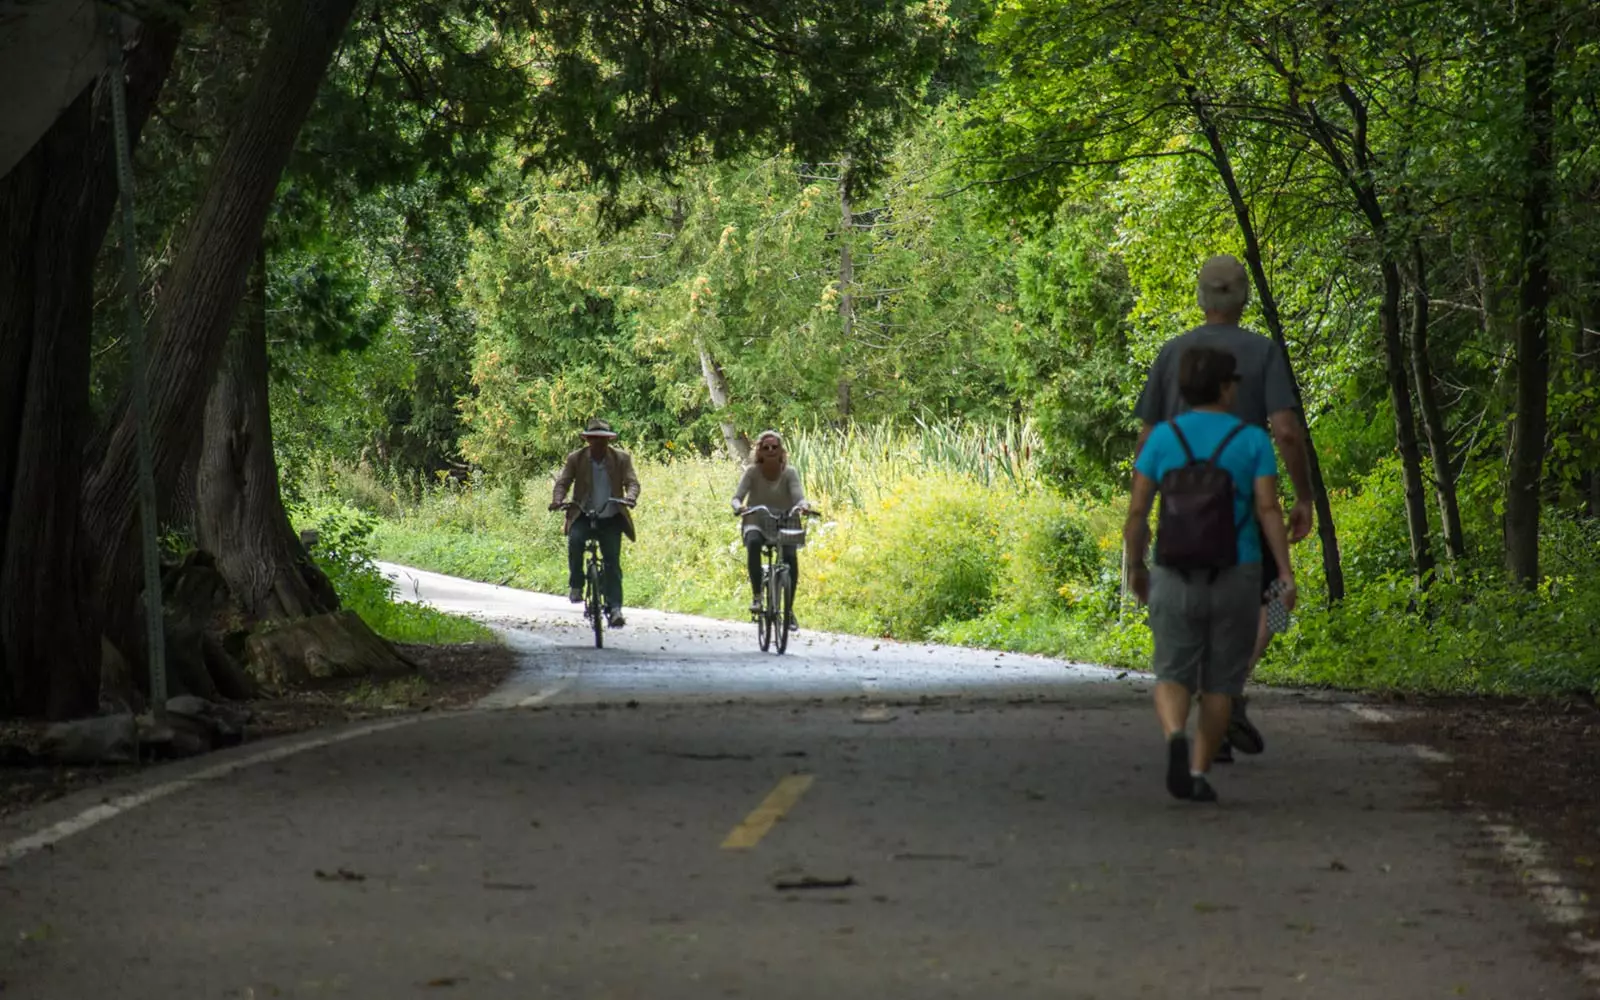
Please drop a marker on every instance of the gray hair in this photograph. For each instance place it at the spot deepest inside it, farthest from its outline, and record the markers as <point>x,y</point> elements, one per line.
<point>1223,285</point>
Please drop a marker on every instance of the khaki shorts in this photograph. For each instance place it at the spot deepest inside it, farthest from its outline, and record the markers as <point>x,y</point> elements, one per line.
<point>1204,629</point>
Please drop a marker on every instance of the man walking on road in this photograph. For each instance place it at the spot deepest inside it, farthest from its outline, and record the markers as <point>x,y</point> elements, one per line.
<point>1265,398</point>
<point>593,473</point>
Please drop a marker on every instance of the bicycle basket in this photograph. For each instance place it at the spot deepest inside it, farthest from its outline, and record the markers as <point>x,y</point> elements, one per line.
<point>775,530</point>
<point>791,531</point>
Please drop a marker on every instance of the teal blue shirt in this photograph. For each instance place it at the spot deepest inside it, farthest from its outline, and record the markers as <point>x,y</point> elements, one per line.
<point>1248,456</point>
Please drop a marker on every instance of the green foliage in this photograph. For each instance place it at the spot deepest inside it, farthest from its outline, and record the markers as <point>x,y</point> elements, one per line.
<point>344,551</point>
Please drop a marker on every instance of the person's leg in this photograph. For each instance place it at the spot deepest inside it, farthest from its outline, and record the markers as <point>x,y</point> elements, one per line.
<point>576,537</point>
<point>1233,599</point>
<point>752,547</point>
<point>610,535</point>
<point>1242,734</point>
<point>1179,649</point>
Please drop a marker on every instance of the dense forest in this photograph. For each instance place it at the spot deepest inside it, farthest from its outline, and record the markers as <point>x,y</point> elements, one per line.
<point>391,257</point>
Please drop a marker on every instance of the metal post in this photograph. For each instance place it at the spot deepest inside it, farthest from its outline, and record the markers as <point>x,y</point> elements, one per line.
<point>141,372</point>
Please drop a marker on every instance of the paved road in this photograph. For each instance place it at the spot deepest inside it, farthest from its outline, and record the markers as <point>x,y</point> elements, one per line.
<point>980,826</point>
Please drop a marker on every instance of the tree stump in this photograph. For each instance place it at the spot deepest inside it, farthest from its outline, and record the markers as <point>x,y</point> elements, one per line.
<point>323,647</point>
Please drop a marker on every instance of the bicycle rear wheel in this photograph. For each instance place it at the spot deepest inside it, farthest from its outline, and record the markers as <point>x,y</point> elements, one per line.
<point>780,607</point>
<point>764,620</point>
<point>596,612</point>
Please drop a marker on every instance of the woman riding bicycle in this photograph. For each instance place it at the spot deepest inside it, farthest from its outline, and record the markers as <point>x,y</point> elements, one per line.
<point>769,482</point>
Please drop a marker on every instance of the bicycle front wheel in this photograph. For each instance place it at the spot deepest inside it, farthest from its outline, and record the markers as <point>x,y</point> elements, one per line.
<point>763,619</point>
<point>596,611</point>
<point>780,607</point>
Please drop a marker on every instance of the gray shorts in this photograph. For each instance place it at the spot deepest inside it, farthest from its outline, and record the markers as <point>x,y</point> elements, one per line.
<point>1205,630</point>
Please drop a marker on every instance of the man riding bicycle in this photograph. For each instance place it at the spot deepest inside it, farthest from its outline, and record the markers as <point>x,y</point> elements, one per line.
<point>592,473</point>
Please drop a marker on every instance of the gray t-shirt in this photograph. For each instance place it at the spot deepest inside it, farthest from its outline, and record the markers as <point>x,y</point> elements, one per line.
<point>600,491</point>
<point>1264,385</point>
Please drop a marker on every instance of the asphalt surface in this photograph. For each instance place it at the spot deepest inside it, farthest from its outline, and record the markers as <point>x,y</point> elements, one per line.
<point>681,816</point>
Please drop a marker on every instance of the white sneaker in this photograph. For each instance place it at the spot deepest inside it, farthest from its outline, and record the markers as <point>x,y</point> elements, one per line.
<point>575,595</point>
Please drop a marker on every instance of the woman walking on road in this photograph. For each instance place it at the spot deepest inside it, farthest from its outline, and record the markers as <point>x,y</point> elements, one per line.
<point>1218,479</point>
<point>769,482</point>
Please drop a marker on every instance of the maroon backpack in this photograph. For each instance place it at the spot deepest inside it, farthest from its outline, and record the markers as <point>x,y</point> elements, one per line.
<point>1196,529</point>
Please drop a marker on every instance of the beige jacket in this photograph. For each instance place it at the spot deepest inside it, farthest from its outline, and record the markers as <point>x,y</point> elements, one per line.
<point>577,475</point>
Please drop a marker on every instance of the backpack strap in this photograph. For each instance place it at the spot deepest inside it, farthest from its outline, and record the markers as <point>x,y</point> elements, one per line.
<point>1183,442</point>
<point>1227,439</point>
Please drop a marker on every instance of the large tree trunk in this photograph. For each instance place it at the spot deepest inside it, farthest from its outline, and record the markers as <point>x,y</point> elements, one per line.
<point>239,515</point>
<point>1532,336</point>
<point>55,207</point>
<point>1433,424</point>
<point>1327,534</point>
<point>202,292</point>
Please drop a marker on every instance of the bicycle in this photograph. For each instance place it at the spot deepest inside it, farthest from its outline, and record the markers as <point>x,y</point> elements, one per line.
<point>777,532</point>
<point>594,564</point>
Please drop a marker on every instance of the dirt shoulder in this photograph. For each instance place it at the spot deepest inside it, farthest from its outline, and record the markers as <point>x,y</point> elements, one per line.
<point>1530,763</point>
<point>448,677</point>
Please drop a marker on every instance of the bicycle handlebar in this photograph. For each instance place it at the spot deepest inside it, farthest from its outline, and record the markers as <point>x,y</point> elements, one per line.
<point>799,509</point>
<point>570,505</point>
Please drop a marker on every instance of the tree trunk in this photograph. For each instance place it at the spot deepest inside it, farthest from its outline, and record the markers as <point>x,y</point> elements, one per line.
<point>735,440</point>
<point>1589,341</point>
<point>1327,534</point>
<point>847,278</point>
<point>1405,422</point>
<point>1433,425</point>
<point>239,515</point>
<point>1533,300</point>
<point>55,207</point>
<point>202,292</point>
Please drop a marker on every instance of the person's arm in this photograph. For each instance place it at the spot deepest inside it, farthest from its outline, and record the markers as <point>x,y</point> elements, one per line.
<point>1289,433</point>
<point>797,492</point>
<point>1136,534</point>
<point>1144,435</point>
<point>630,481</point>
<point>569,470</point>
<point>743,489</point>
<point>1151,407</point>
<point>1270,516</point>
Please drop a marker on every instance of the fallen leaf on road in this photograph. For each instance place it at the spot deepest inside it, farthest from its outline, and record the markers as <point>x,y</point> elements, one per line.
<point>915,856</point>
<point>1214,908</point>
<point>340,875</point>
<point>1338,866</point>
<point>813,882</point>
<point>446,981</point>
<point>1033,796</point>
<point>875,715</point>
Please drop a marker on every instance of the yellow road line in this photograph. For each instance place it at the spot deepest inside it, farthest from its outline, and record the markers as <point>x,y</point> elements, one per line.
<point>755,826</point>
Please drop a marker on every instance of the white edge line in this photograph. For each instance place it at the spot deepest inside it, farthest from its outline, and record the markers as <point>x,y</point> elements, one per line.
<point>1368,712</point>
<point>535,700</point>
<point>95,815</point>
<point>1560,903</point>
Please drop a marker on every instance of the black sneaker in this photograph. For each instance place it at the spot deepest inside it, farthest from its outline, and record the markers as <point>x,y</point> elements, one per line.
<point>794,626</point>
<point>1224,754</point>
<point>1178,783</point>
<point>1201,791</point>
<point>615,619</point>
<point>1242,733</point>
